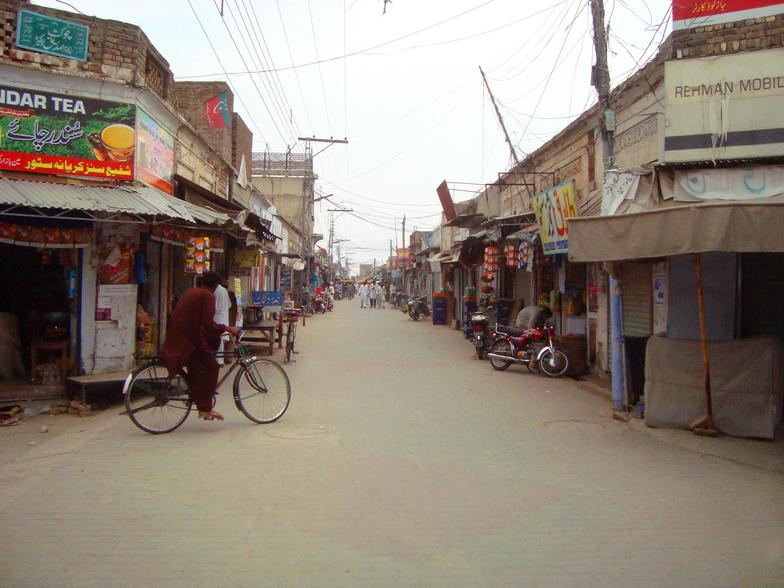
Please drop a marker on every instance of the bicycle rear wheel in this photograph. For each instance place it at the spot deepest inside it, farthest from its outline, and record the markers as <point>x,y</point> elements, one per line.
<point>290,336</point>
<point>155,402</point>
<point>262,390</point>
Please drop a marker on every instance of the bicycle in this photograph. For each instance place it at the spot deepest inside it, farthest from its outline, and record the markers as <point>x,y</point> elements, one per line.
<point>292,316</point>
<point>158,403</point>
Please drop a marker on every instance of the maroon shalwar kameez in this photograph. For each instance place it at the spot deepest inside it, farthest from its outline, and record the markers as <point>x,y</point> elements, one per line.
<point>192,338</point>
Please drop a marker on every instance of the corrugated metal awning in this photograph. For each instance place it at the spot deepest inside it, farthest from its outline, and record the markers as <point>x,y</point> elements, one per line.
<point>114,200</point>
<point>206,215</point>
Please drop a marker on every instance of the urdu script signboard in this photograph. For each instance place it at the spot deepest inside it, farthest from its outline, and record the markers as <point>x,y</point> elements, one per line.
<point>45,132</point>
<point>688,14</point>
<point>55,36</point>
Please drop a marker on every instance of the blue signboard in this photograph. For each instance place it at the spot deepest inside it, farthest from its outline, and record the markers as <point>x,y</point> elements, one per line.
<point>267,298</point>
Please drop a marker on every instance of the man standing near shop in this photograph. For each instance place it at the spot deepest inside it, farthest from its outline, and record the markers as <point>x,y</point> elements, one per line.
<point>222,310</point>
<point>192,338</point>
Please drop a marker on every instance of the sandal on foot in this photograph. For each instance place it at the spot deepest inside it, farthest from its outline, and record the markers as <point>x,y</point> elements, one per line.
<point>212,415</point>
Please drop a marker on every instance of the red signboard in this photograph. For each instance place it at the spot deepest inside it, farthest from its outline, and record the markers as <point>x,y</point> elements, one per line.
<point>699,13</point>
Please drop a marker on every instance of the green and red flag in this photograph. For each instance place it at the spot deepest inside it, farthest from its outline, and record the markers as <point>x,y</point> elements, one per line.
<point>217,110</point>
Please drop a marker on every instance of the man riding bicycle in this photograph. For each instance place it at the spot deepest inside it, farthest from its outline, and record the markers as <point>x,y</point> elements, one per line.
<point>192,338</point>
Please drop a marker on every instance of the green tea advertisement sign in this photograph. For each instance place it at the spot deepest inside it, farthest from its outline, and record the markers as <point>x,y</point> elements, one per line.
<point>44,132</point>
<point>154,153</point>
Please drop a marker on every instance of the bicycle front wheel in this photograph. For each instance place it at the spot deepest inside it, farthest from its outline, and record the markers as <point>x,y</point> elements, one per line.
<point>155,402</point>
<point>262,390</point>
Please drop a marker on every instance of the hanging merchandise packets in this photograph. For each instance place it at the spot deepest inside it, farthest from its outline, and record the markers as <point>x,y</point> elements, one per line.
<point>197,255</point>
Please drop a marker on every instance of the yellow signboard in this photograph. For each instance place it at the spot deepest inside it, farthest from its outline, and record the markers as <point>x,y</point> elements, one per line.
<point>554,208</point>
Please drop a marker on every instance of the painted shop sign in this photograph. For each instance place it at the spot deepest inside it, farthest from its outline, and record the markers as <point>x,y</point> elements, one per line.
<point>687,14</point>
<point>154,153</point>
<point>55,36</point>
<point>726,107</point>
<point>50,133</point>
<point>554,208</point>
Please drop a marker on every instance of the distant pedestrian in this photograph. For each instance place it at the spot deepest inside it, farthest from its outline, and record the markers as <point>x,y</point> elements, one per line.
<point>363,295</point>
<point>382,296</point>
<point>373,294</point>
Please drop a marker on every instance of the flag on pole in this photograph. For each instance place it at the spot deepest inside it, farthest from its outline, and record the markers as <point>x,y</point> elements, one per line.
<point>217,110</point>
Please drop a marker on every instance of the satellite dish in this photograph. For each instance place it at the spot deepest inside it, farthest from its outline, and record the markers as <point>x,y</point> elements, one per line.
<point>298,265</point>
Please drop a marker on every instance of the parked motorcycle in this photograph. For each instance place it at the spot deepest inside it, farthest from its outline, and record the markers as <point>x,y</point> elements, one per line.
<point>320,304</point>
<point>533,348</point>
<point>480,333</point>
<point>417,307</point>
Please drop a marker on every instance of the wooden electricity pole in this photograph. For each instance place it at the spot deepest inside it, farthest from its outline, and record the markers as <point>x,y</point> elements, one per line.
<point>500,118</point>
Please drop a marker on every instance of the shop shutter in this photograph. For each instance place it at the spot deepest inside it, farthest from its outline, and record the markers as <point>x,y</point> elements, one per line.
<point>637,287</point>
<point>762,298</point>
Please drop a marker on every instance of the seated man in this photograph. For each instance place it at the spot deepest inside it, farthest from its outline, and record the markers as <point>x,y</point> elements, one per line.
<point>191,341</point>
<point>532,316</point>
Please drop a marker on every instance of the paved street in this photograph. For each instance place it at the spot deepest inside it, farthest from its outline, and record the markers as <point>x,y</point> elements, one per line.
<point>401,462</point>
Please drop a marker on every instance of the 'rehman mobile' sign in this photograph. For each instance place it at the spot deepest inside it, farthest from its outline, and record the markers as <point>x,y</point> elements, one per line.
<point>45,132</point>
<point>724,107</point>
<point>688,14</point>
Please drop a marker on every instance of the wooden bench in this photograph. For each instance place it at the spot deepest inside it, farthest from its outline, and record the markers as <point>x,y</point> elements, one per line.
<point>266,333</point>
<point>83,382</point>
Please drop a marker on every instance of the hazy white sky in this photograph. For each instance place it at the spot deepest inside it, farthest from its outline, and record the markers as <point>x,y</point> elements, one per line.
<point>408,95</point>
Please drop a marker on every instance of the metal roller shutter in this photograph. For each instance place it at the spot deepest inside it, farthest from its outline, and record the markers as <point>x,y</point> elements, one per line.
<point>637,288</point>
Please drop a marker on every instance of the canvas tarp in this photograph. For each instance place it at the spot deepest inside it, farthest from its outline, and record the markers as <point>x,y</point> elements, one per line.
<point>676,230</point>
<point>746,383</point>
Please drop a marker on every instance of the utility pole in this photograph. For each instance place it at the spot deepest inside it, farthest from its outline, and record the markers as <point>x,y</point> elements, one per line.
<point>600,79</point>
<point>403,243</point>
<point>391,256</point>
<point>500,118</point>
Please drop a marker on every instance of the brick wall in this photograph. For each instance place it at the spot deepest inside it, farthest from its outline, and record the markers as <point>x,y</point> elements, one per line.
<point>241,144</point>
<point>191,97</point>
<point>735,37</point>
<point>117,51</point>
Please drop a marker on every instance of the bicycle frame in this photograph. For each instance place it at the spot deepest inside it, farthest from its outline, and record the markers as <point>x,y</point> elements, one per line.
<point>241,352</point>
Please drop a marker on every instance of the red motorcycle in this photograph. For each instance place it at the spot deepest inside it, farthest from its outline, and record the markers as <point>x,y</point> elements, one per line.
<point>533,348</point>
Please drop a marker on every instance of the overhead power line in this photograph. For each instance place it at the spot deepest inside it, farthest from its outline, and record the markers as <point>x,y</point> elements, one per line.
<point>228,80</point>
<point>367,49</point>
<point>255,57</point>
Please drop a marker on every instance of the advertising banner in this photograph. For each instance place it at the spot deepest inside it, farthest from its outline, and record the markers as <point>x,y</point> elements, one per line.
<point>726,107</point>
<point>403,258</point>
<point>154,153</point>
<point>43,132</point>
<point>55,36</point>
<point>554,208</point>
<point>687,14</point>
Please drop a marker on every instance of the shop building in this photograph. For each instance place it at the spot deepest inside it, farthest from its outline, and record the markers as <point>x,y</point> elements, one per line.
<point>693,242</point>
<point>97,168</point>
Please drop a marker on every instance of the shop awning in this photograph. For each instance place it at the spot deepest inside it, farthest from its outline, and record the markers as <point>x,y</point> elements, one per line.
<point>42,199</point>
<point>466,221</point>
<point>749,226</point>
<point>522,233</point>
<point>208,216</point>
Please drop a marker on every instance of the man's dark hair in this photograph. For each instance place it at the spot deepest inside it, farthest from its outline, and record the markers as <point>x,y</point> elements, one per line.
<point>211,279</point>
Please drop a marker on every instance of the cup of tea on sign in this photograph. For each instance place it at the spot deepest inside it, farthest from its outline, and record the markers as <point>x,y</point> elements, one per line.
<point>114,143</point>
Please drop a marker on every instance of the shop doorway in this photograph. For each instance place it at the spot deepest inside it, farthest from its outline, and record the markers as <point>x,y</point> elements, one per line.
<point>38,316</point>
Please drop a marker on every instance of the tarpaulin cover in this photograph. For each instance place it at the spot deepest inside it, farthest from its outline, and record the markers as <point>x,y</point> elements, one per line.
<point>746,383</point>
<point>697,228</point>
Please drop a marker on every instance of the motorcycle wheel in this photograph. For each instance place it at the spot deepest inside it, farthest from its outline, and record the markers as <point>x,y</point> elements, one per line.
<point>501,347</point>
<point>553,364</point>
<point>414,315</point>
